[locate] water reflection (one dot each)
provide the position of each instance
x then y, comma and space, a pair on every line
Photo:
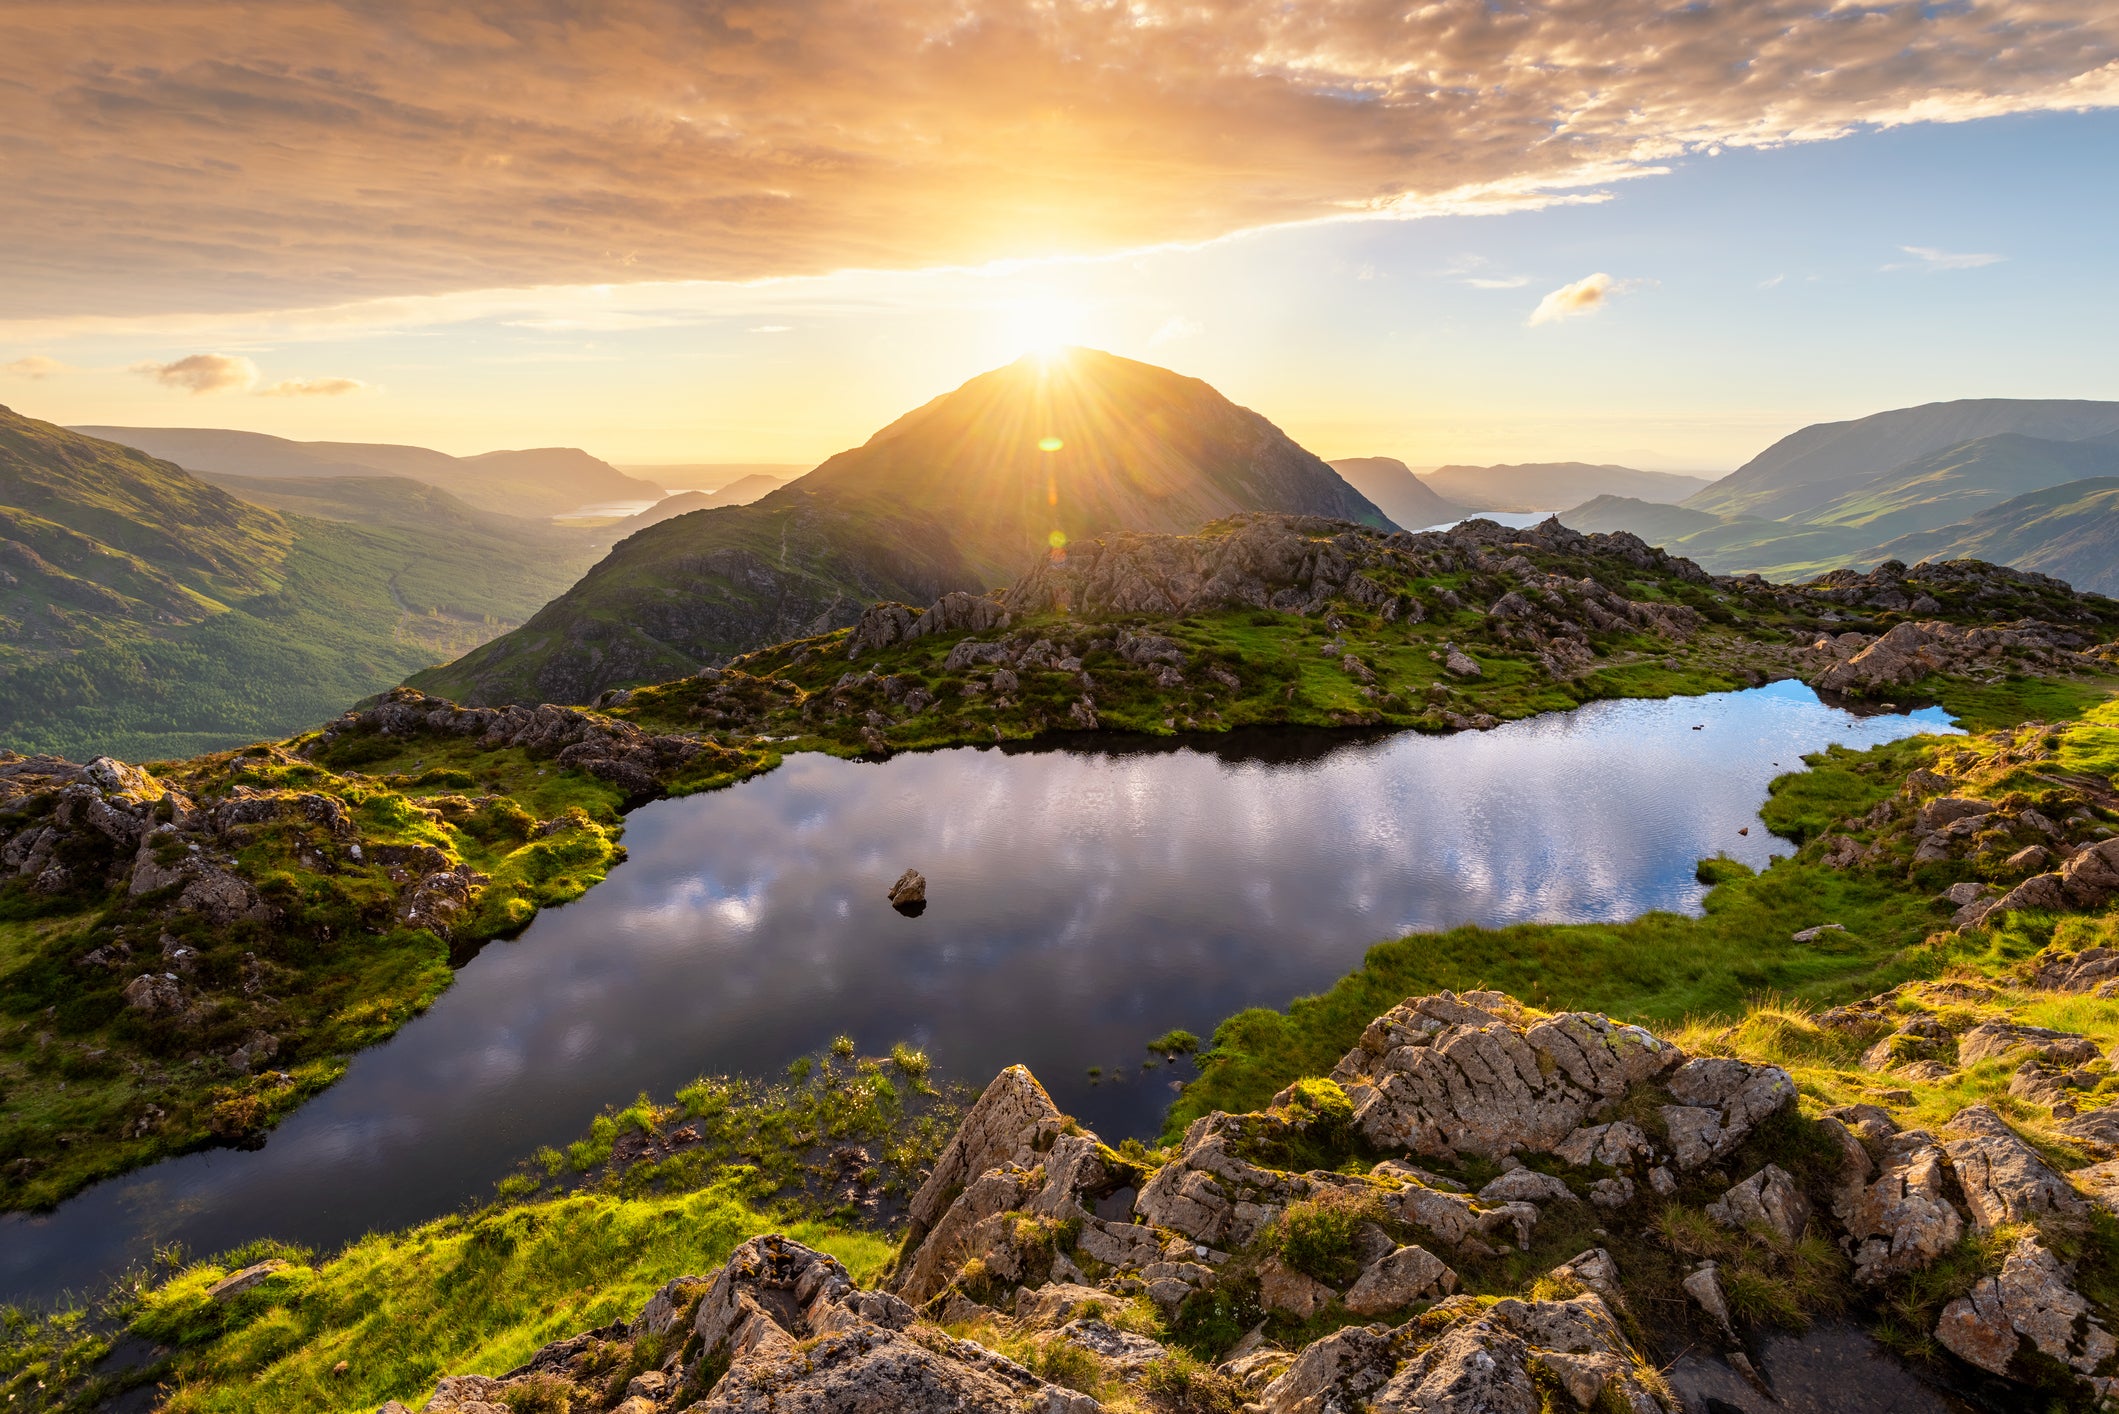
1080, 902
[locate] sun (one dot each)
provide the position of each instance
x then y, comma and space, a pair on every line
1043, 323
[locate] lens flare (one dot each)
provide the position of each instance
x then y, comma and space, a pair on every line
1049, 444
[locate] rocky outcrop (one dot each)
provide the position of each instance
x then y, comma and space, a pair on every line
1444, 1075
2031, 1300
1908, 652
605, 747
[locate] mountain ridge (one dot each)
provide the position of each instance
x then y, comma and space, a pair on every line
534, 481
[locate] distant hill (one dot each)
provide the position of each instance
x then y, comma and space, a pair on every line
1817, 463
1399, 494
962, 493
145, 612
544, 481
710, 476
1960, 481
2069, 531
740, 492
1549, 486
2006, 497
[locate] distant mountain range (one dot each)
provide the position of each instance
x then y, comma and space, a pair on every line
961, 494
740, 492
147, 612
1817, 463
544, 481
1550, 486
710, 476
1878, 488
1397, 492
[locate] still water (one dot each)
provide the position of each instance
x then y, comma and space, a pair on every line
1081, 901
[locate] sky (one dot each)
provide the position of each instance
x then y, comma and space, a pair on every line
706, 232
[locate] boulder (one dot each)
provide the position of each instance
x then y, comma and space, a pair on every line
1704, 1286
1282, 1288
236, 1283
1902, 1220
1439, 1075
1768, 1200
2003, 1178
1721, 1102
909, 890
2031, 1299
1399, 1278
1526, 1185
2004, 1038
155, 992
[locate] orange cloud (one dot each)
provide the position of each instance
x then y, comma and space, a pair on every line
202, 373
176, 155
311, 387
1585, 296
35, 366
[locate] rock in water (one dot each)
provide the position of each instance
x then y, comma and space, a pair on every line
909, 894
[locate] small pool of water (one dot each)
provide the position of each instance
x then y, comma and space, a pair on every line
1082, 901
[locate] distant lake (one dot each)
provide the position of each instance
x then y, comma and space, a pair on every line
1082, 900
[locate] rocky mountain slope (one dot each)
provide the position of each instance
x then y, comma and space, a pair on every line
543, 481
148, 612
1811, 466
1549, 486
958, 495
1399, 494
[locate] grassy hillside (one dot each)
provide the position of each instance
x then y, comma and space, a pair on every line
1960, 481
544, 481
1815, 464
146, 613
963, 493
2069, 531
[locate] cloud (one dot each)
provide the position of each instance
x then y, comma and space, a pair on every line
312, 388
35, 366
770, 329
1497, 282
218, 155
1927, 257
203, 373
1174, 328
1585, 296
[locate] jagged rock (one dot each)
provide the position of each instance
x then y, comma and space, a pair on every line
2075, 972
1614, 1193
1282, 1288
1121, 1352
1594, 1271
1047, 1307
1488, 1360
1526, 1185
1334, 1374
1704, 1285
2031, 1298
958, 612
1399, 1278
236, 1283
1438, 1075
2003, 1179
880, 626
2099, 1183
1722, 1101
1902, 1221
2097, 1128
1768, 1199
154, 992
910, 889
2004, 1038
1614, 1145
1458, 663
